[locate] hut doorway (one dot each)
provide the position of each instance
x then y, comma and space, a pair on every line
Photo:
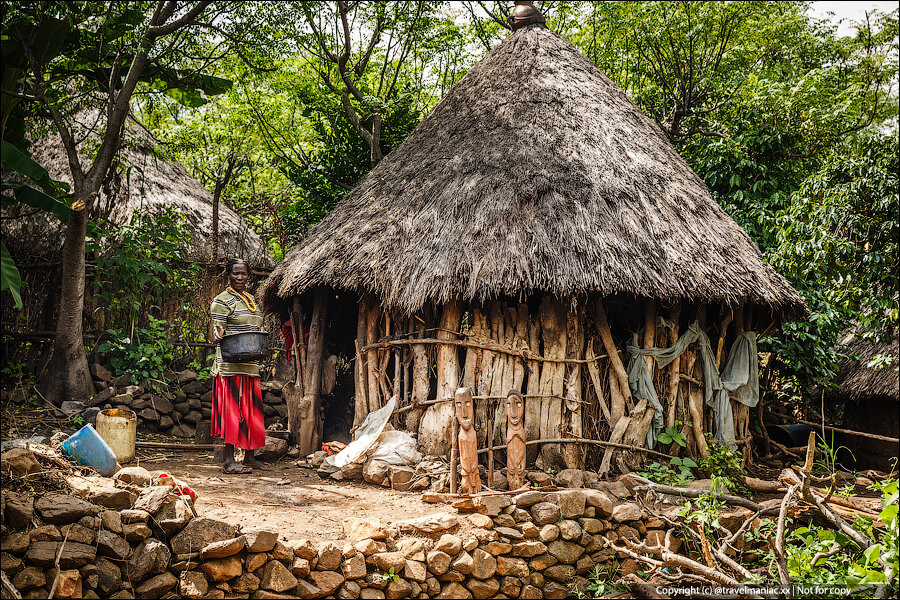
337, 384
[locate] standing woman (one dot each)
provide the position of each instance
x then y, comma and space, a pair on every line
237, 408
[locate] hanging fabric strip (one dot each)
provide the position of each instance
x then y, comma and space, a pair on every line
739, 379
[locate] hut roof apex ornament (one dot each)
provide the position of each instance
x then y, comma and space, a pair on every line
524, 14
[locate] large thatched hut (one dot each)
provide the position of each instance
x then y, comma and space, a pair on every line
868, 391
533, 226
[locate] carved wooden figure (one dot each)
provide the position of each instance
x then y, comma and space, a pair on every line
468, 443
515, 440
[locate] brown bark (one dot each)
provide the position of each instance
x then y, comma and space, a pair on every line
594, 372
674, 368
361, 405
650, 332
309, 420
373, 313
532, 404
552, 315
614, 438
636, 433
421, 369
620, 392
434, 430
695, 395
572, 454
68, 377
293, 391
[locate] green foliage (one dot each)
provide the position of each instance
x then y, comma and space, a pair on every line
600, 582
704, 511
672, 435
138, 265
667, 475
390, 575
202, 370
841, 562
724, 464
144, 355
77, 421
12, 372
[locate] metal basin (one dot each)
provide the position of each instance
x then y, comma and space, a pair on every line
245, 347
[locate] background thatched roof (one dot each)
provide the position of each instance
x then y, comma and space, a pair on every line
150, 184
535, 172
857, 381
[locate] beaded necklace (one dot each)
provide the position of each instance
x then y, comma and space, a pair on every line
247, 298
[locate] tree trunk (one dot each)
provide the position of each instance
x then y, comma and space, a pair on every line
574, 350
68, 376
552, 315
435, 429
695, 397
309, 421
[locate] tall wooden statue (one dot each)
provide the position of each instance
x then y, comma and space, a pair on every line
468, 444
515, 440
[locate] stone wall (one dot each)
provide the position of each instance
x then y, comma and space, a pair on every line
174, 408
121, 540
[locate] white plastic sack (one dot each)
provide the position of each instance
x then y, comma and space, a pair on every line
396, 448
366, 435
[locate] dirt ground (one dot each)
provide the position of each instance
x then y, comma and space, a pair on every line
293, 500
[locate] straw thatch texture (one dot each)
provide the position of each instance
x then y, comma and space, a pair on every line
856, 381
150, 183
535, 172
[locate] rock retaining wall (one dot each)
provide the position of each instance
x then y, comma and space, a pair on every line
175, 408
125, 541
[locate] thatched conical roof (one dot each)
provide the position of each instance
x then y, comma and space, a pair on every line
535, 172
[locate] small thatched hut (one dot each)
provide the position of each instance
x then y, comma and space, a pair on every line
143, 182
530, 226
870, 396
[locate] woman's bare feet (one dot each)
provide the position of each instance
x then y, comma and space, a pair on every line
251, 461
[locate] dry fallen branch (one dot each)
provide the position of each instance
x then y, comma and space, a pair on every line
696, 493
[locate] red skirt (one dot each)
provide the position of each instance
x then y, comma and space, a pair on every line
237, 411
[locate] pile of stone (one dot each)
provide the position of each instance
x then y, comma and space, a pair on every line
175, 408
125, 539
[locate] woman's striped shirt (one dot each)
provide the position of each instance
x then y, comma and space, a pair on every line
228, 310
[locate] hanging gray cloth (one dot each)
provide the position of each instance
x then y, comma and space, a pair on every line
642, 385
739, 381
740, 378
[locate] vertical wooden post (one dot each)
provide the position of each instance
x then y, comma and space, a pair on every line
619, 391
533, 388
695, 396
650, 332
490, 441
361, 406
421, 369
552, 315
435, 426
309, 423
572, 453
293, 393
674, 368
372, 313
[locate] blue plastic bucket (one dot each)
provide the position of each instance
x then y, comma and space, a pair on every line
86, 447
